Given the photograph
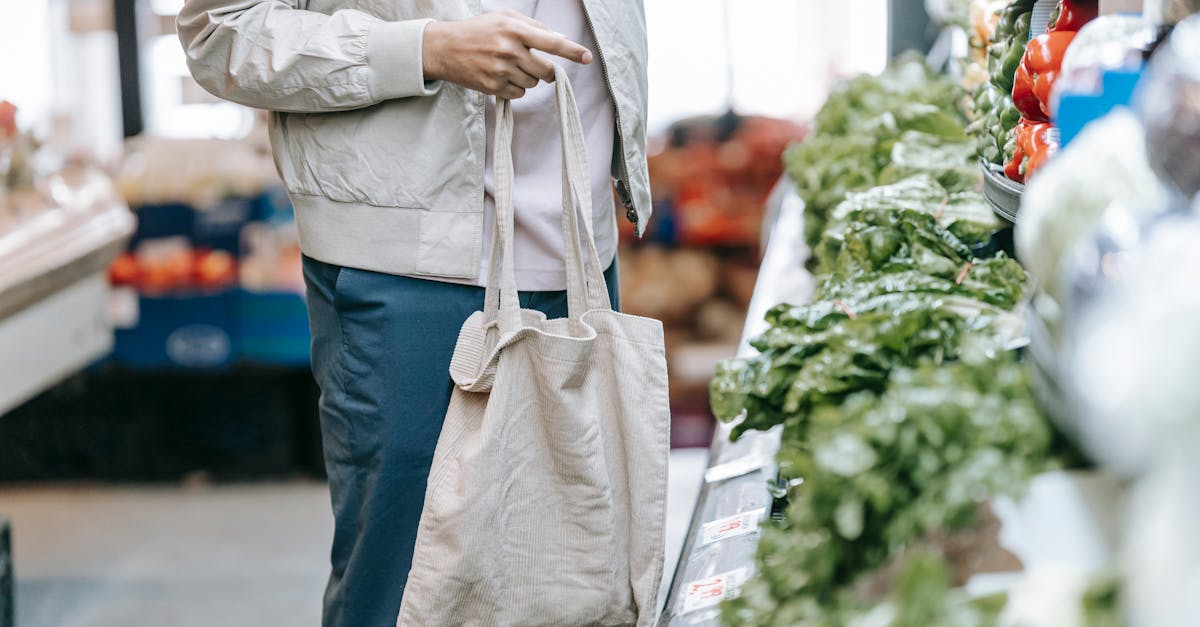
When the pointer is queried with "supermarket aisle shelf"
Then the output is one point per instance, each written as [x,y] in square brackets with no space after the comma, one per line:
[738,473]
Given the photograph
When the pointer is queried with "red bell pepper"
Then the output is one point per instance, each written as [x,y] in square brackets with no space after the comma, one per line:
[1073,14]
[1039,69]
[1022,94]
[1034,146]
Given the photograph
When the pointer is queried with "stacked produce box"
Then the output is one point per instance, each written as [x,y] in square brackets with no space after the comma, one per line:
[212,277]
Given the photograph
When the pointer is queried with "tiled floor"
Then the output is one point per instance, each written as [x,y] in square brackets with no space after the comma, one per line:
[198,556]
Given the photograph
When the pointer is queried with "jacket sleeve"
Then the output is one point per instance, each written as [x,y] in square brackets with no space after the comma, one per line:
[270,54]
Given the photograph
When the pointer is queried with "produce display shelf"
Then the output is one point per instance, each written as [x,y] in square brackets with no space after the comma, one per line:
[1002,194]
[54,295]
[722,538]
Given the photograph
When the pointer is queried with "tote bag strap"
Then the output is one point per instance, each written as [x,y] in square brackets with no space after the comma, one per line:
[586,288]
[501,305]
[585,275]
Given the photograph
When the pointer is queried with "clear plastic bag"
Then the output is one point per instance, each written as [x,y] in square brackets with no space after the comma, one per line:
[1169,103]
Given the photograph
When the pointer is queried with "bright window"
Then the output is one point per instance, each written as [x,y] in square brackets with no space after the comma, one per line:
[782,54]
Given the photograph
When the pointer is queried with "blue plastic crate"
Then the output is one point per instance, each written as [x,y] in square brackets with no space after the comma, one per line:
[196,331]
[220,227]
[273,328]
[159,221]
[273,205]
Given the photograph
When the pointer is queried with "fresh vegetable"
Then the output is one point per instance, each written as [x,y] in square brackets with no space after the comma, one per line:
[900,289]
[169,267]
[1106,164]
[1031,143]
[214,269]
[882,474]
[8,119]
[1013,53]
[901,409]
[1102,601]
[1038,72]
[949,161]
[906,118]
[965,214]
[1072,15]
[1012,31]
[1023,98]
[982,18]
[1035,144]
[124,270]
[994,115]
[852,348]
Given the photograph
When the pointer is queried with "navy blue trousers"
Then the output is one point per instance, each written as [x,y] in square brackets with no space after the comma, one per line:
[381,348]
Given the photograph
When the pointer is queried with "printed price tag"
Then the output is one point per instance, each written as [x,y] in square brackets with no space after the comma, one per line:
[731,526]
[710,592]
[736,468]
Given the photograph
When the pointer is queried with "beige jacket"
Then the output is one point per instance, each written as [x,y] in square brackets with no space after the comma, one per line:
[385,169]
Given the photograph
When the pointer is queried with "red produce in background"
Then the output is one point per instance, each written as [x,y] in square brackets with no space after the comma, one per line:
[8,119]
[716,175]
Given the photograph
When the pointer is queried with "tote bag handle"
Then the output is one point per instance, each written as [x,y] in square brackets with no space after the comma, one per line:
[586,288]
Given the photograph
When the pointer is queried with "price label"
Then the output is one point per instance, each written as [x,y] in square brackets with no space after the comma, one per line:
[731,526]
[710,592]
[736,468]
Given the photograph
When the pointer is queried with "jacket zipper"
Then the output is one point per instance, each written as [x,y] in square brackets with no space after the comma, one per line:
[623,190]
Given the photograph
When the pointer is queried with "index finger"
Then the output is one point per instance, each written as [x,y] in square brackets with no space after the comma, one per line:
[556,44]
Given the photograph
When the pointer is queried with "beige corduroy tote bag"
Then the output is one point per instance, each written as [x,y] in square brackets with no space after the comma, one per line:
[547,497]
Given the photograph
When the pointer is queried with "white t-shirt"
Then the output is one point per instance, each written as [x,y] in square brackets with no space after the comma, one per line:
[537,156]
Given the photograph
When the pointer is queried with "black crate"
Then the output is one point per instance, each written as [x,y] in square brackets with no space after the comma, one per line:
[311,452]
[7,584]
[138,426]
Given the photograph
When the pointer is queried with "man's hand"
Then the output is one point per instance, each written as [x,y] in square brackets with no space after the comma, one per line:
[493,53]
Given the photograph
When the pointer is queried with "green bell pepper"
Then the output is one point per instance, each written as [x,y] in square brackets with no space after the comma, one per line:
[1003,78]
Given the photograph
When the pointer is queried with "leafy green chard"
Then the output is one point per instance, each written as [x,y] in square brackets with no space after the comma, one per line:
[950,162]
[900,290]
[893,240]
[883,474]
[816,355]
[901,409]
[905,121]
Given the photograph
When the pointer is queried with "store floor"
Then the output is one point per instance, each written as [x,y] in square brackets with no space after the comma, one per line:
[190,556]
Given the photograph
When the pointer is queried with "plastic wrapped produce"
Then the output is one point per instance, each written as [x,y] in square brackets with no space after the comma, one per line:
[1171,11]
[1169,102]
[1136,350]
[1162,552]
[1106,164]
[1110,42]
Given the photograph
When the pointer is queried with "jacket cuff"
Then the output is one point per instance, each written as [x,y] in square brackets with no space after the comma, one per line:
[394,60]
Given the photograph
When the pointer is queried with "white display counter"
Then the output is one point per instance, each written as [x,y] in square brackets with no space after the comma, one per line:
[54,295]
